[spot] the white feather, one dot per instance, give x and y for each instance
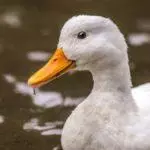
(112, 117)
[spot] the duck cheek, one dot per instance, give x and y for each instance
(80, 65)
(68, 51)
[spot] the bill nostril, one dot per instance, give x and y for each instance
(55, 59)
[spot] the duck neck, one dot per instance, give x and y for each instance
(116, 79)
(115, 84)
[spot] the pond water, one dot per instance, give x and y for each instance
(29, 31)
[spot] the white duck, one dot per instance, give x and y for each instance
(109, 118)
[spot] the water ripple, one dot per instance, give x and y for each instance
(38, 56)
(11, 18)
(49, 128)
(2, 119)
(138, 39)
(42, 98)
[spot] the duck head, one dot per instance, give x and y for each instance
(85, 43)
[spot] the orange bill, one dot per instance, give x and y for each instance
(56, 66)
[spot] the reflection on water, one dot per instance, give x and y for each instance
(1, 119)
(138, 39)
(38, 56)
(143, 24)
(29, 32)
(49, 128)
(42, 98)
(11, 18)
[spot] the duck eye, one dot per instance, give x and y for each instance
(81, 35)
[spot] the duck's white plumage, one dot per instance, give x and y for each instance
(141, 95)
(109, 118)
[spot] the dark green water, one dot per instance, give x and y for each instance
(28, 35)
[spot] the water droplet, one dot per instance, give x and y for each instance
(34, 91)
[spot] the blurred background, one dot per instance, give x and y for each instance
(29, 30)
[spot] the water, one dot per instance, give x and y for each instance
(28, 36)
